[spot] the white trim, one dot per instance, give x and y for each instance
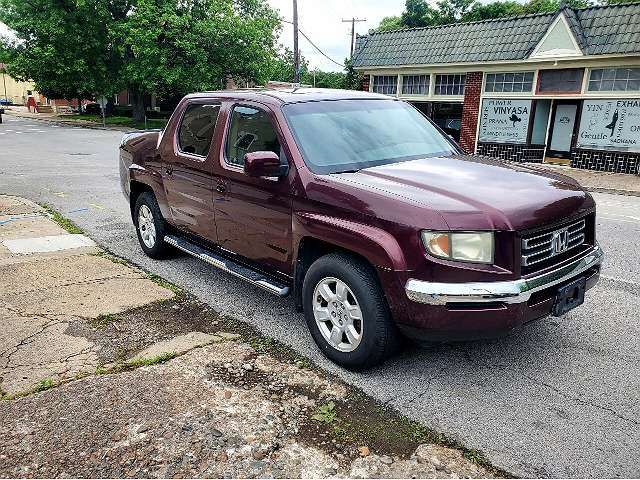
(626, 59)
(575, 52)
(546, 137)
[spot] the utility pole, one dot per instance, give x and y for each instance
(353, 21)
(296, 50)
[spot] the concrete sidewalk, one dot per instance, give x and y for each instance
(105, 373)
(51, 279)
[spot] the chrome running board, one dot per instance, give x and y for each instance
(245, 273)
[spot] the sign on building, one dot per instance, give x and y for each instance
(504, 120)
(612, 124)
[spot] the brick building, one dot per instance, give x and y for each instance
(559, 87)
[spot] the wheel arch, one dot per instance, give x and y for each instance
(318, 235)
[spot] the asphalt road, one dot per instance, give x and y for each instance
(559, 399)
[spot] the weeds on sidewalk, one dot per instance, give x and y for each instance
(64, 222)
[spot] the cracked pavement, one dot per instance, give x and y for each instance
(44, 294)
(559, 399)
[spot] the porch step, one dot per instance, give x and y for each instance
(247, 274)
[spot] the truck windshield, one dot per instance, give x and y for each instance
(349, 135)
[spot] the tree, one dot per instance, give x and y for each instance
(390, 23)
(282, 67)
(418, 13)
(63, 45)
(82, 48)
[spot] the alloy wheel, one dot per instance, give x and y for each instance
(338, 314)
(146, 226)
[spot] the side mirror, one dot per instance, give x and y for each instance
(264, 164)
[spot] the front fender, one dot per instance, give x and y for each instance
(379, 247)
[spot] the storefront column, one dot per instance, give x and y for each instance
(470, 109)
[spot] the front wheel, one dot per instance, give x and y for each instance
(150, 225)
(346, 312)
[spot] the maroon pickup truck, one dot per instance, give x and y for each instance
(363, 210)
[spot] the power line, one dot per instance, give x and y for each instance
(314, 45)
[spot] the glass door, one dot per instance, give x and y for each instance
(562, 129)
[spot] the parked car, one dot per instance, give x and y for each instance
(365, 212)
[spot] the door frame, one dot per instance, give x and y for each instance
(552, 119)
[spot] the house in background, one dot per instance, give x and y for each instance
(12, 90)
(558, 87)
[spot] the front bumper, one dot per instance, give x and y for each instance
(468, 311)
(516, 291)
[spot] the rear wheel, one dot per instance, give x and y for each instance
(346, 312)
(150, 225)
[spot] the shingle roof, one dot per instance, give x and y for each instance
(598, 30)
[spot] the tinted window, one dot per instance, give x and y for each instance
(346, 135)
(560, 81)
(196, 129)
(250, 131)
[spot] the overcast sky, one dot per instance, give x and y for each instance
(321, 20)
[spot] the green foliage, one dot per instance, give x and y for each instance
(43, 385)
(419, 13)
(326, 413)
(390, 23)
(72, 48)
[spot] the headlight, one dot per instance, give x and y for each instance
(476, 247)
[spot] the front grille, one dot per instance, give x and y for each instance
(538, 249)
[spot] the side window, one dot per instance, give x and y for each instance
(250, 130)
(196, 129)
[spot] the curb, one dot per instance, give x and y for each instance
(74, 123)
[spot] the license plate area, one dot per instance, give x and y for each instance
(570, 296)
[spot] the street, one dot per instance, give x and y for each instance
(559, 399)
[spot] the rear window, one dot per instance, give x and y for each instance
(196, 129)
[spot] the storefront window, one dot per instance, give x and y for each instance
(415, 84)
(385, 84)
(614, 80)
(560, 81)
(450, 84)
(509, 82)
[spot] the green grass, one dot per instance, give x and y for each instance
(65, 223)
(121, 121)
(136, 363)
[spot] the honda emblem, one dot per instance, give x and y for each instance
(560, 241)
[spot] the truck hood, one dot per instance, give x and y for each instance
(477, 193)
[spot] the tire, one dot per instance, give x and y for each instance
(378, 335)
(150, 226)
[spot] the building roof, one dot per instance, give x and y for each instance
(612, 29)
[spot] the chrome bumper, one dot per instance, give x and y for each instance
(516, 291)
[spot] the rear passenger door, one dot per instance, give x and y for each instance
(187, 169)
(253, 215)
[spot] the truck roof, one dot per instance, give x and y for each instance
(289, 95)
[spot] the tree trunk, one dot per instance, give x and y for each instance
(137, 101)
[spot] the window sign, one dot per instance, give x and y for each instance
(610, 124)
(504, 121)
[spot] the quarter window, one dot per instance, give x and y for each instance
(415, 84)
(450, 84)
(385, 84)
(196, 129)
(250, 131)
(509, 82)
(614, 80)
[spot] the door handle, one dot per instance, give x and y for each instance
(221, 188)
